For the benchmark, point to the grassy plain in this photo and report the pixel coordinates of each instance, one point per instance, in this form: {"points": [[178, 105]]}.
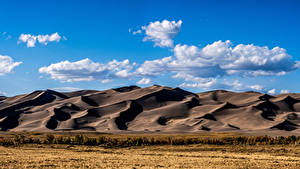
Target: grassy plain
{"points": [[187, 156], [234, 153]]}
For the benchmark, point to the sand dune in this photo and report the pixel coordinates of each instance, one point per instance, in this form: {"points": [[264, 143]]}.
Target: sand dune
{"points": [[151, 109]]}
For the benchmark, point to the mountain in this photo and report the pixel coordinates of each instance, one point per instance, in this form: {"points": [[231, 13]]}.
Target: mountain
{"points": [[150, 109]]}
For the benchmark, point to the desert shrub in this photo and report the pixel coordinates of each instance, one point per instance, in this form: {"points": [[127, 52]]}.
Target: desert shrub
{"points": [[89, 141], [7, 142], [59, 140], [49, 139], [78, 139], [19, 139], [67, 140], [101, 140]]}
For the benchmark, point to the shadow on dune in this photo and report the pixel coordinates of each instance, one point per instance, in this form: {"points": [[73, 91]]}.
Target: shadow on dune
{"points": [[286, 125], [128, 115], [126, 88]]}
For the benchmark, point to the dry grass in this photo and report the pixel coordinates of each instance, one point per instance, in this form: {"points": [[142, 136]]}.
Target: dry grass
{"points": [[189, 156], [240, 155]]}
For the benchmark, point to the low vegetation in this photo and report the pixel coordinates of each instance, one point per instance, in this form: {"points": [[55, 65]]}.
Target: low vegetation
{"points": [[148, 140]]}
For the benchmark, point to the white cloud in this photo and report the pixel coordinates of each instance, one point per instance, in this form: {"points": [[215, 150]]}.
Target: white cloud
{"points": [[256, 87], [106, 80], [198, 67], [130, 30], [137, 32], [198, 82], [2, 93], [209, 84], [66, 89], [161, 33], [29, 39], [7, 64], [272, 91], [222, 59], [154, 67], [123, 73], [213, 83], [42, 39], [87, 70], [6, 36], [53, 37], [144, 81], [284, 91]]}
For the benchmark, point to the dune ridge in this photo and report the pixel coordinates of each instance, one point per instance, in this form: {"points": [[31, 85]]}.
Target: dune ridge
{"points": [[151, 109]]}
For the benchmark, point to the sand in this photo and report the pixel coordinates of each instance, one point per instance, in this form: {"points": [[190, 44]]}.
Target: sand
{"points": [[151, 109]]}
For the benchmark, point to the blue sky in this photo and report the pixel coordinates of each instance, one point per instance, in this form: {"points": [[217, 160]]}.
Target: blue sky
{"points": [[91, 34]]}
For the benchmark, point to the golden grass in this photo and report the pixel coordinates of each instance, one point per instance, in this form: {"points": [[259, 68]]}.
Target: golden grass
{"points": [[233, 154], [188, 156]]}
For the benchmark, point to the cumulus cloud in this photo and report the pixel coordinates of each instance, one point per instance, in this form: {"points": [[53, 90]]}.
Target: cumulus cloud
{"points": [[161, 33], [154, 67], [66, 89], [106, 80], [137, 32], [87, 70], [31, 40], [144, 81], [7, 64], [284, 91], [206, 84], [198, 67], [213, 83], [2, 93], [6, 36], [222, 59], [272, 91], [256, 87], [202, 66], [130, 30]]}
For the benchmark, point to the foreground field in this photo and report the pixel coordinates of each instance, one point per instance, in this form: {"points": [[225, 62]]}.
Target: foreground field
{"points": [[188, 156]]}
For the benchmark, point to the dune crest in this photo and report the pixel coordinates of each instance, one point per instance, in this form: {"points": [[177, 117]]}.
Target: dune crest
{"points": [[151, 109]]}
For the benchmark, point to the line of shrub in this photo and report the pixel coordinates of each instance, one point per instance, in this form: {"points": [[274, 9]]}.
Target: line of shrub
{"points": [[108, 141]]}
